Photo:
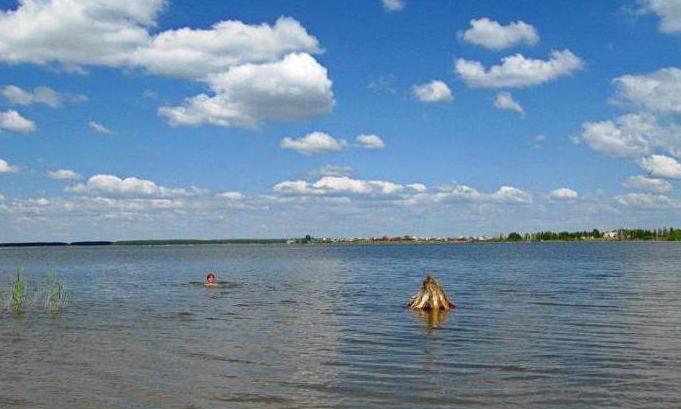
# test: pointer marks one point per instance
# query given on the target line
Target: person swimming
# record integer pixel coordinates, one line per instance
(211, 280)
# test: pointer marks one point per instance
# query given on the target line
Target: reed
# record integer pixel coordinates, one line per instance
(22, 294)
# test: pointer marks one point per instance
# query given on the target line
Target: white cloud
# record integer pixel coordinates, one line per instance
(629, 135)
(647, 201)
(490, 34)
(99, 128)
(517, 71)
(296, 87)
(434, 91)
(115, 33)
(7, 168)
(63, 174)
(393, 5)
(384, 83)
(463, 193)
(658, 91)
(370, 141)
(505, 101)
(196, 54)
(256, 73)
(669, 12)
(510, 194)
(39, 95)
(110, 185)
(314, 142)
(346, 186)
(647, 184)
(539, 138)
(563, 193)
(11, 120)
(661, 166)
(231, 196)
(329, 170)
(74, 33)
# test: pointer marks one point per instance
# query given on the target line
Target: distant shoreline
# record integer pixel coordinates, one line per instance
(288, 242)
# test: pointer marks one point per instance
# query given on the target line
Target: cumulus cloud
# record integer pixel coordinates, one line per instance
(345, 186)
(505, 101)
(490, 34)
(658, 91)
(12, 121)
(517, 71)
(629, 135)
(196, 54)
(231, 196)
(661, 166)
(39, 95)
(647, 201)
(370, 141)
(99, 128)
(669, 12)
(115, 33)
(6, 167)
(647, 184)
(296, 87)
(393, 5)
(464, 193)
(110, 185)
(434, 91)
(563, 193)
(314, 142)
(63, 174)
(256, 73)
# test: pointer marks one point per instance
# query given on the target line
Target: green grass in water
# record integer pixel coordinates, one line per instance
(49, 295)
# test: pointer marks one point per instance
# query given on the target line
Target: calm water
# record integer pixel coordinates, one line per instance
(540, 325)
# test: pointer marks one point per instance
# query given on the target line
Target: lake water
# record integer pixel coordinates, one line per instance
(536, 325)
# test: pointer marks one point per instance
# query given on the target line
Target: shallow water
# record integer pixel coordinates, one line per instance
(537, 325)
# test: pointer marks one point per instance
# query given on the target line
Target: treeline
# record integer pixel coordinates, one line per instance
(189, 241)
(144, 242)
(664, 234)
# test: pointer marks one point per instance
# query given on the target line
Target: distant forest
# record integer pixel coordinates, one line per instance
(144, 242)
(664, 234)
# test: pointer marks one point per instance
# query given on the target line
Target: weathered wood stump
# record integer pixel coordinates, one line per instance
(431, 297)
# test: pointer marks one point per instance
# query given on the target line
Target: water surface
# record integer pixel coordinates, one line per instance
(537, 325)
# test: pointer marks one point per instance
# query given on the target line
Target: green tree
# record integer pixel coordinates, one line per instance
(514, 236)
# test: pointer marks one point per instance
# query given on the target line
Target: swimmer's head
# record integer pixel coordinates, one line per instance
(210, 278)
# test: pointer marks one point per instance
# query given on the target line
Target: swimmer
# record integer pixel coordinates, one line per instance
(211, 280)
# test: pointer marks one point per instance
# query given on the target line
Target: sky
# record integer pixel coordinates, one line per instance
(127, 119)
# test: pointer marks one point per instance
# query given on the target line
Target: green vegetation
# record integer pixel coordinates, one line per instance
(305, 240)
(189, 241)
(514, 237)
(664, 234)
(21, 294)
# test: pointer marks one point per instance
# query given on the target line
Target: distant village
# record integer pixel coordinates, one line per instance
(663, 234)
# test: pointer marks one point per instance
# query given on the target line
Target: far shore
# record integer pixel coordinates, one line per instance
(314, 243)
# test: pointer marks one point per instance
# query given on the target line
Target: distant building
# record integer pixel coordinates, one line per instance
(610, 235)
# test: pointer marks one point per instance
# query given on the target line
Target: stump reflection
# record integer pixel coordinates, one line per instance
(432, 318)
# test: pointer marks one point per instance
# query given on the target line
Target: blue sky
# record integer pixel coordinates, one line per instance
(126, 119)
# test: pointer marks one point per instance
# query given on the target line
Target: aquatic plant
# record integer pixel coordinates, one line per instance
(21, 294)
(55, 297)
(18, 291)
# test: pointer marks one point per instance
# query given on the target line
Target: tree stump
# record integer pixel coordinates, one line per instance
(431, 297)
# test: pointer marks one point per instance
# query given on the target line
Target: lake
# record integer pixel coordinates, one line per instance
(561, 325)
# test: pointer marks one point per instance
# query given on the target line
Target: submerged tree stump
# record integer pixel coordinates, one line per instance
(431, 297)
